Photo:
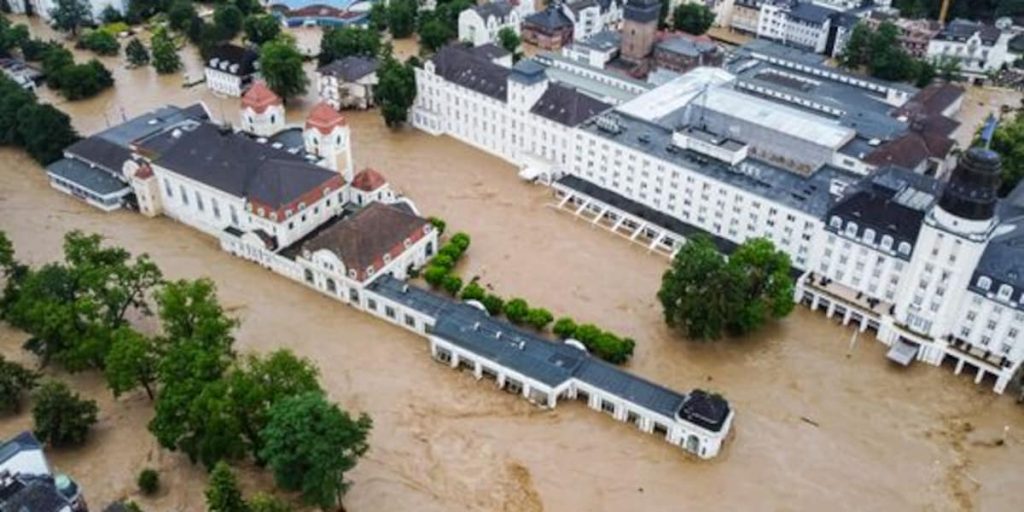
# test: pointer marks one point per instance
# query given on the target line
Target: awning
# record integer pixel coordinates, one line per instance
(903, 352)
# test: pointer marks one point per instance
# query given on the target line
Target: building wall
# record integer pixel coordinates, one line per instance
(976, 59)
(478, 31)
(225, 83)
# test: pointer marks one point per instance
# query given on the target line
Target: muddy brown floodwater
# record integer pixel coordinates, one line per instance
(885, 438)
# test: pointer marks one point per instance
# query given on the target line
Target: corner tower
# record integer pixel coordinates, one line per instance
(639, 28)
(262, 111)
(327, 136)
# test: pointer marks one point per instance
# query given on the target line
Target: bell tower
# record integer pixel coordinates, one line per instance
(327, 136)
(262, 111)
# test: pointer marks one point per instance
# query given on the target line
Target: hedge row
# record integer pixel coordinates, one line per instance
(439, 272)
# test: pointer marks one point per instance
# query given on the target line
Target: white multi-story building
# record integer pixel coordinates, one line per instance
(796, 23)
(348, 82)
(979, 48)
(480, 24)
(42, 8)
(230, 69)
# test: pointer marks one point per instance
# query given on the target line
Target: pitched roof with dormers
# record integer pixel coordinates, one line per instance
(259, 97)
(324, 118)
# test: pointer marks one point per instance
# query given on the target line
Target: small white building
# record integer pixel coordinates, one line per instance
(230, 69)
(795, 23)
(368, 186)
(262, 111)
(348, 82)
(979, 48)
(586, 18)
(480, 24)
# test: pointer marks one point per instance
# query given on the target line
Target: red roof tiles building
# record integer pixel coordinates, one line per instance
(324, 118)
(368, 180)
(259, 97)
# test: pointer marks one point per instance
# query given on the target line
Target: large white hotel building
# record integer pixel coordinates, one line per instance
(854, 178)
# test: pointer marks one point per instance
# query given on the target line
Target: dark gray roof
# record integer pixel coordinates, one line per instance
(891, 202)
(490, 51)
(240, 166)
(90, 178)
(642, 11)
(567, 106)
(1003, 263)
(460, 65)
(527, 353)
(528, 71)
(685, 46)
(100, 152)
(578, 5)
(17, 444)
(606, 5)
(603, 40)
(810, 13)
(233, 59)
(549, 20)
(351, 68)
(499, 10)
(961, 30)
(152, 122)
(32, 495)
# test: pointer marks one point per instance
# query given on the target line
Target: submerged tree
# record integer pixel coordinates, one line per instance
(165, 54)
(61, 416)
(396, 90)
(281, 66)
(136, 53)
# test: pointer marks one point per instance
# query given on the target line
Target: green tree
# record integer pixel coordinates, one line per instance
(228, 19)
(55, 59)
(136, 53)
(110, 15)
(473, 291)
(80, 81)
(564, 327)
(539, 318)
(12, 36)
(132, 362)
(165, 54)
(858, 47)
(260, 382)
(693, 18)
(12, 99)
(493, 304)
(265, 503)
(346, 41)
(452, 284)
(260, 28)
(460, 240)
(311, 443)
(45, 132)
(438, 223)
(180, 14)
(60, 416)
(763, 284)
(100, 42)
(396, 90)
(379, 16)
(692, 293)
(70, 15)
(281, 66)
(148, 481)
(509, 40)
(516, 310)
(402, 17)
(434, 34)
(15, 381)
(222, 492)
(1008, 141)
(434, 275)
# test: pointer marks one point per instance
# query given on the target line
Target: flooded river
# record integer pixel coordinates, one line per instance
(822, 421)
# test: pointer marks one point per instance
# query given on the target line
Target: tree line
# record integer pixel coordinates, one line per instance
(880, 54)
(210, 403)
(40, 129)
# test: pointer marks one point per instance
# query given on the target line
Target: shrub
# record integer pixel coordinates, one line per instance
(266, 503)
(460, 240)
(15, 380)
(587, 334)
(516, 310)
(438, 223)
(452, 251)
(452, 284)
(34, 49)
(116, 28)
(100, 42)
(149, 481)
(434, 275)
(564, 328)
(62, 417)
(473, 291)
(493, 304)
(443, 260)
(539, 318)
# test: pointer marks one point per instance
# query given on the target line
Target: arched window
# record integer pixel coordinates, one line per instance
(886, 242)
(851, 229)
(869, 236)
(835, 222)
(331, 287)
(984, 282)
(309, 276)
(905, 247)
(1005, 291)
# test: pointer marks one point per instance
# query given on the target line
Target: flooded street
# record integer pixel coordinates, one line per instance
(822, 423)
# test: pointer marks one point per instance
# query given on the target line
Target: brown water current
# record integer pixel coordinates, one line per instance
(883, 438)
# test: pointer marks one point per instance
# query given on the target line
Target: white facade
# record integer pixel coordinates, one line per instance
(976, 57)
(586, 19)
(342, 95)
(263, 123)
(777, 22)
(479, 30)
(223, 82)
(42, 8)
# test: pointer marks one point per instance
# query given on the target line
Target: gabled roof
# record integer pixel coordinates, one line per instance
(32, 495)
(351, 68)
(961, 30)
(368, 180)
(567, 106)
(259, 98)
(499, 10)
(810, 13)
(233, 59)
(240, 166)
(460, 65)
(549, 20)
(324, 118)
(576, 6)
(931, 100)
(364, 239)
(100, 152)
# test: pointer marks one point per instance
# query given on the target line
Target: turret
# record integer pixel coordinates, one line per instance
(327, 136)
(262, 111)
(971, 192)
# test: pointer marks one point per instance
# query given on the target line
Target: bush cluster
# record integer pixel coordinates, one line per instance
(603, 344)
(439, 272)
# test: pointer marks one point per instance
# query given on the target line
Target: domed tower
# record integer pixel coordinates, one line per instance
(950, 243)
(327, 136)
(262, 111)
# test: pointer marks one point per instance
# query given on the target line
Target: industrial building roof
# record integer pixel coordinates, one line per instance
(602, 41)
(152, 122)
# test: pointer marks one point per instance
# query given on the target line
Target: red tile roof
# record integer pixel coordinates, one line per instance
(259, 97)
(324, 118)
(144, 171)
(368, 180)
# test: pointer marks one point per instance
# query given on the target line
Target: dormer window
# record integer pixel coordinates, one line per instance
(851, 229)
(370, 270)
(835, 222)
(886, 242)
(1005, 291)
(273, 216)
(352, 273)
(261, 212)
(904, 247)
(869, 236)
(984, 283)
(387, 259)
(302, 206)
